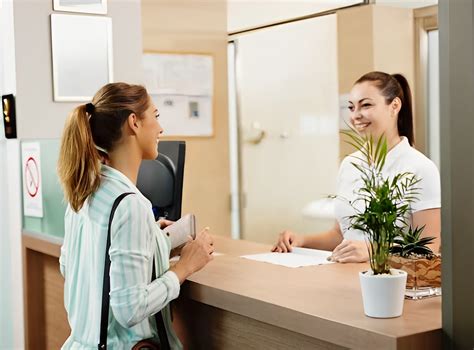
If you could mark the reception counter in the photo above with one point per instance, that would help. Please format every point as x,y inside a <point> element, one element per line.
<point>236,303</point>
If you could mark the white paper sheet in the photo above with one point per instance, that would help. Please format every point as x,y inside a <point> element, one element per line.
<point>182,115</point>
<point>182,88</point>
<point>297,258</point>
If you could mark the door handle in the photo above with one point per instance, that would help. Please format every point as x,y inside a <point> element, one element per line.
<point>258,134</point>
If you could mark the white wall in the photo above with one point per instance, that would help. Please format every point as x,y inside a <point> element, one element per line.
<point>11,294</point>
<point>38,115</point>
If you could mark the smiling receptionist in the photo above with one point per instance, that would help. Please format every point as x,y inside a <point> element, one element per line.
<point>380,104</point>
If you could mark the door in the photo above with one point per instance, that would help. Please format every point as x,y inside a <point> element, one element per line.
<point>286,78</point>
<point>11,298</point>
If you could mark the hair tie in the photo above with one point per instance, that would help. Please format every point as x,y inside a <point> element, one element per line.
<point>103,150</point>
<point>90,108</point>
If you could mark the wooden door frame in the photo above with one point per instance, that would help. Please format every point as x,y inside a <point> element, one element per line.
<point>425,19</point>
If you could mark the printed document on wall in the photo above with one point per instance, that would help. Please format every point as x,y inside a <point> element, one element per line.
<point>181,86</point>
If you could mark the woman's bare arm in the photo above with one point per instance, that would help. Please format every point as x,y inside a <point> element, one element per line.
<point>431,219</point>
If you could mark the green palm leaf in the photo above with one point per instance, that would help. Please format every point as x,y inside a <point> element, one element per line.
<point>386,204</point>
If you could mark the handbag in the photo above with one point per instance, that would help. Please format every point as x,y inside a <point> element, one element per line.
<point>104,317</point>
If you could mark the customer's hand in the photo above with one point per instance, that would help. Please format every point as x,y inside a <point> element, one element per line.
<point>177,251</point>
<point>163,223</point>
<point>350,251</point>
<point>194,255</point>
<point>286,241</point>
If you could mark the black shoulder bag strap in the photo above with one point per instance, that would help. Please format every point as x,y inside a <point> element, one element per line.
<point>104,319</point>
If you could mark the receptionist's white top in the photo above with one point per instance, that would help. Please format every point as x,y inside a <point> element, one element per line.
<point>135,239</point>
<point>401,158</point>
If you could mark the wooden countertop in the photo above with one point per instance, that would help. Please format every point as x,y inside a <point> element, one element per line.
<point>323,302</point>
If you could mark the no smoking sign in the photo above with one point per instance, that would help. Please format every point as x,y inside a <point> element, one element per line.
<point>32,193</point>
<point>32,177</point>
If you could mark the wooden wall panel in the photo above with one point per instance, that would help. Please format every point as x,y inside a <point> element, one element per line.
<point>56,324</point>
<point>198,27</point>
<point>200,326</point>
<point>46,324</point>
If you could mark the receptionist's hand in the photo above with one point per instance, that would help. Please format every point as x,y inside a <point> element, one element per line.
<point>350,251</point>
<point>286,241</point>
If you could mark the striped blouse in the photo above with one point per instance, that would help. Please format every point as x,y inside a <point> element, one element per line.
<point>135,239</point>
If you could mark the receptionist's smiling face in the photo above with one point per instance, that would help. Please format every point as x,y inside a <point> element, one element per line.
<point>369,112</point>
<point>151,131</point>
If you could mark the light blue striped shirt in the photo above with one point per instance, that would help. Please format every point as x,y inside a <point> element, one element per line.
<point>135,238</point>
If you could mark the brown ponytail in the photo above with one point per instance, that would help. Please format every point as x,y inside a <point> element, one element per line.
<point>91,127</point>
<point>79,161</point>
<point>392,86</point>
<point>405,116</point>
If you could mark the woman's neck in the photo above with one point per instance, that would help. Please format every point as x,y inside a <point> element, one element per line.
<point>127,160</point>
<point>393,140</point>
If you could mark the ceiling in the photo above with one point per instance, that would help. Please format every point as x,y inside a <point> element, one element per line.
<point>247,14</point>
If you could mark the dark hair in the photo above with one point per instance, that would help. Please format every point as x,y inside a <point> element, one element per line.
<point>391,86</point>
<point>94,126</point>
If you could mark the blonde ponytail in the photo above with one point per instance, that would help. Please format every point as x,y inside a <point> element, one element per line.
<point>79,160</point>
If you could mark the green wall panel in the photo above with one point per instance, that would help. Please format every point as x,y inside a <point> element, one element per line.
<point>54,205</point>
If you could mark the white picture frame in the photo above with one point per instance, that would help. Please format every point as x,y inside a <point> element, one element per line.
<point>82,55</point>
<point>82,6</point>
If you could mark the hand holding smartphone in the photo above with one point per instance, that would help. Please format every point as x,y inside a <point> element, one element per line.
<point>180,231</point>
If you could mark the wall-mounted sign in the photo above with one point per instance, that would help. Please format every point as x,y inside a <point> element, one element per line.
<point>32,189</point>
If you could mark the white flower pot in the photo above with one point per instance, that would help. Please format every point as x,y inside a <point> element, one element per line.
<point>383,295</point>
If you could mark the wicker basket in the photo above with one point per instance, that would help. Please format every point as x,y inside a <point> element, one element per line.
<point>424,275</point>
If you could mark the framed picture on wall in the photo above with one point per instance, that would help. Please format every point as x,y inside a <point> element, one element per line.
<point>84,6</point>
<point>82,55</point>
<point>182,87</point>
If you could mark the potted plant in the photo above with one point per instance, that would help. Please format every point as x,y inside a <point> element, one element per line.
<point>385,215</point>
<point>411,254</point>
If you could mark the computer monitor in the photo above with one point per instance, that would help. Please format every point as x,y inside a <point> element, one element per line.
<point>161,180</point>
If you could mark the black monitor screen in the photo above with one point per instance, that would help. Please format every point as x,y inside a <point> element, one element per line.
<point>161,180</point>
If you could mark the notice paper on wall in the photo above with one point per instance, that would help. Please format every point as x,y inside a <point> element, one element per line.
<point>182,88</point>
<point>299,257</point>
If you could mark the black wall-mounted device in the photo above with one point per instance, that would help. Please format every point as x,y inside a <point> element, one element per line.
<point>9,116</point>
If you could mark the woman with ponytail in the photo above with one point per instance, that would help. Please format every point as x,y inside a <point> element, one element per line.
<point>102,147</point>
<point>380,104</point>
